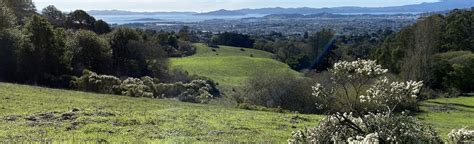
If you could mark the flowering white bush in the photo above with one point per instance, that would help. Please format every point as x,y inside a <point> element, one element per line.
<point>386,94</point>
<point>361,85</point>
<point>351,79</point>
<point>359,68</point>
<point>372,138</point>
<point>370,128</point>
<point>461,136</point>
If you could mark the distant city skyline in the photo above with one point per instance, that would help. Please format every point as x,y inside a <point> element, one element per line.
<point>211,5</point>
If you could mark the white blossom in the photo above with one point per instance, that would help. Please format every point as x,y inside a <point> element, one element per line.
<point>462,135</point>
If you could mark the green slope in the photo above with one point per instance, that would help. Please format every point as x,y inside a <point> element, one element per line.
<point>446,114</point>
<point>229,66</point>
<point>44,115</point>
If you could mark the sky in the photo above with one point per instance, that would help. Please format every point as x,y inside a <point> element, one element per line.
<point>210,5</point>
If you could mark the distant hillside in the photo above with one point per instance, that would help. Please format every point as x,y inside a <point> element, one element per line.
<point>122,12</point>
<point>223,12</point>
<point>416,8</point>
<point>229,66</point>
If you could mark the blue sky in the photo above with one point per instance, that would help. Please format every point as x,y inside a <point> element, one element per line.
<point>209,5</point>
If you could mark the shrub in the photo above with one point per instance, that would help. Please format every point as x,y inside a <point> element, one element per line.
<point>135,87</point>
<point>92,82</point>
<point>198,91</point>
<point>461,136</point>
<point>276,89</point>
<point>370,128</point>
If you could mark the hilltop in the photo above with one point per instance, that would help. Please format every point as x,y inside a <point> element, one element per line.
<point>229,66</point>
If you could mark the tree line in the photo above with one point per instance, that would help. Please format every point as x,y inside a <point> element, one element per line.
<point>437,49</point>
<point>50,48</point>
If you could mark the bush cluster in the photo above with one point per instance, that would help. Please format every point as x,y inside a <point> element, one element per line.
<point>197,91</point>
<point>92,82</point>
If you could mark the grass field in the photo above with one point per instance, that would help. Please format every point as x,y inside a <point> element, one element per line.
<point>44,115</point>
<point>449,113</point>
<point>229,66</point>
<point>47,115</point>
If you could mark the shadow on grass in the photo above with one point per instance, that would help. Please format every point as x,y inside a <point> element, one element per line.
<point>454,104</point>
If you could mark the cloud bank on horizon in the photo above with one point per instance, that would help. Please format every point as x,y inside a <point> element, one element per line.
<point>210,5</point>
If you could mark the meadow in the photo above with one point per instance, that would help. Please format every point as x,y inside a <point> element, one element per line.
<point>229,66</point>
<point>35,114</point>
<point>446,114</point>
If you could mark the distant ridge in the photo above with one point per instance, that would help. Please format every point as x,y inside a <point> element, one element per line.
<point>443,5</point>
<point>123,12</point>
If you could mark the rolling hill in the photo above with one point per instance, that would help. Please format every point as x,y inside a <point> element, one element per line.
<point>229,66</point>
<point>33,114</point>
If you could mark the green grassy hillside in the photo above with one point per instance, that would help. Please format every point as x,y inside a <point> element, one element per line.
<point>449,113</point>
<point>43,115</point>
<point>229,66</point>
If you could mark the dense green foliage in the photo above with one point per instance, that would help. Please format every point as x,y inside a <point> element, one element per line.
<point>20,8</point>
<point>299,53</point>
<point>87,50</point>
<point>51,48</point>
<point>416,52</point>
<point>278,90</point>
<point>7,18</point>
<point>233,39</point>
<point>54,16</point>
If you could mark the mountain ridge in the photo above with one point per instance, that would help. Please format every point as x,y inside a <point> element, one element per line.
<point>442,5</point>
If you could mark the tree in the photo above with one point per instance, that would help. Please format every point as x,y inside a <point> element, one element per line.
<point>462,76</point>
<point>123,56</point>
<point>11,40</point>
<point>427,37</point>
<point>21,8</point>
<point>54,16</point>
<point>234,39</point>
<point>184,34</point>
<point>79,19</point>
<point>101,27</point>
<point>7,17</point>
<point>42,61</point>
<point>86,50</point>
<point>459,29</point>
<point>318,41</point>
